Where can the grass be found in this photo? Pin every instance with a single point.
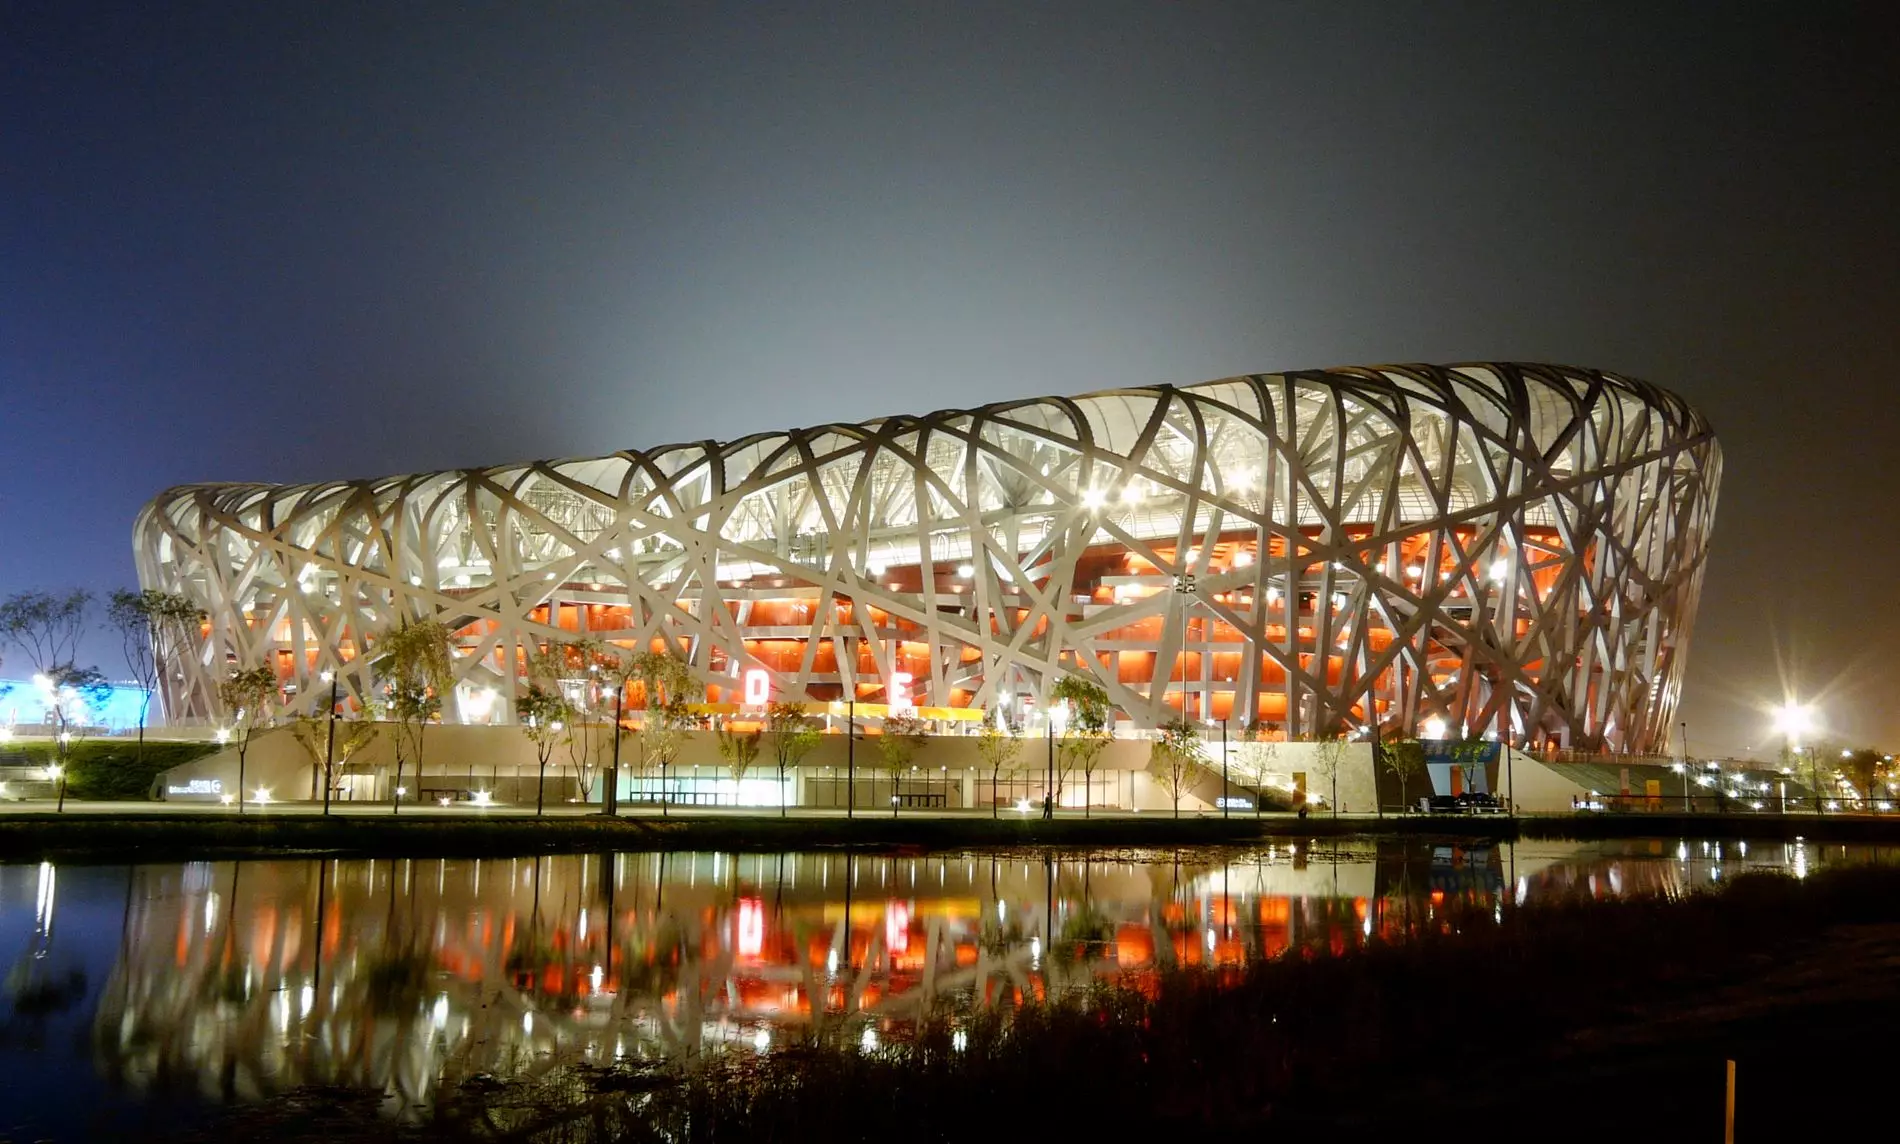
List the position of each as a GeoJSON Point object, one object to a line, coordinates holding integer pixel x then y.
{"type": "Point", "coordinates": [116, 769]}
{"type": "Point", "coordinates": [1578, 1019]}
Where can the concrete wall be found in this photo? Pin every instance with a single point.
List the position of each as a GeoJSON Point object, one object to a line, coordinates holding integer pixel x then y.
{"type": "Point", "coordinates": [492, 757]}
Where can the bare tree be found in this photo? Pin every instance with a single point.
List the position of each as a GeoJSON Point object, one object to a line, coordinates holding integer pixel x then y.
{"type": "Point", "coordinates": [328, 750]}
{"type": "Point", "coordinates": [740, 749]}
{"type": "Point", "coordinates": [1327, 754]}
{"type": "Point", "coordinates": [246, 695]}
{"type": "Point", "coordinates": [1000, 743]}
{"type": "Point", "coordinates": [1173, 757]}
{"type": "Point", "coordinates": [903, 736]}
{"type": "Point", "coordinates": [542, 714]}
{"type": "Point", "coordinates": [155, 628]}
{"type": "Point", "coordinates": [576, 667]}
{"type": "Point", "coordinates": [73, 692]}
{"type": "Point", "coordinates": [1405, 759]}
{"type": "Point", "coordinates": [46, 627]}
{"type": "Point", "coordinates": [1259, 754]}
{"type": "Point", "coordinates": [794, 735]}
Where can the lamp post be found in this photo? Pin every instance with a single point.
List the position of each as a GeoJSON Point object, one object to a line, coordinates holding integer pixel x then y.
{"type": "Point", "coordinates": [1224, 799]}
{"type": "Point", "coordinates": [610, 798]}
{"type": "Point", "coordinates": [329, 741]}
{"type": "Point", "coordinates": [1058, 718]}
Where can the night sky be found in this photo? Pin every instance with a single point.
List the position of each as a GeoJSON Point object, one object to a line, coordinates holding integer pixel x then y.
{"type": "Point", "coordinates": [289, 242]}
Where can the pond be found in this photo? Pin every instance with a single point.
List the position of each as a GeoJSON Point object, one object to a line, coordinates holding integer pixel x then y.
{"type": "Point", "coordinates": [149, 994]}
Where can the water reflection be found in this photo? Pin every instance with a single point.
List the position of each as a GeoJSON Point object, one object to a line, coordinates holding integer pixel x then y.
{"type": "Point", "coordinates": [236, 980]}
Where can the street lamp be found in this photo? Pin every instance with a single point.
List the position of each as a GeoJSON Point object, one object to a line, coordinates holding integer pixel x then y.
{"type": "Point", "coordinates": [1792, 722]}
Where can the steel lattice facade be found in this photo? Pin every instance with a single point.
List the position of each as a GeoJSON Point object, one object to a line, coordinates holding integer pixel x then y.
{"type": "Point", "coordinates": [1514, 549]}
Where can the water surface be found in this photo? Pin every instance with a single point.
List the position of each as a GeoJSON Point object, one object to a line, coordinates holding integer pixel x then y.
{"type": "Point", "coordinates": [163, 990]}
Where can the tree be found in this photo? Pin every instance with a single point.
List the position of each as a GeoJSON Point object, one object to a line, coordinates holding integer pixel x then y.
{"type": "Point", "coordinates": [740, 749]}
{"type": "Point", "coordinates": [667, 680]}
{"type": "Point", "coordinates": [903, 737]}
{"type": "Point", "coordinates": [1405, 759]}
{"type": "Point", "coordinates": [1327, 755]}
{"type": "Point", "coordinates": [1000, 744]}
{"type": "Point", "coordinates": [72, 692]}
{"type": "Point", "coordinates": [1173, 756]}
{"type": "Point", "coordinates": [1087, 733]}
{"type": "Point", "coordinates": [328, 749]}
{"type": "Point", "coordinates": [794, 735]}
{"type": "Point", "coordinates": [541, 713]}
{"type": "Point", "coordinates": [575, 668]}
{"type": "Point", "coordinates": [1863, 769]}
{"type": "Point", "coordinates": [415, 660]}
{"type": "Point", "coordinates": [1259, 757]}
{"type": "Point", "coordinates": [155, 628]}
{"type": "Point", "coordinates": [246, 696]}
{"type": "Point", "coordinates": [45, 626]}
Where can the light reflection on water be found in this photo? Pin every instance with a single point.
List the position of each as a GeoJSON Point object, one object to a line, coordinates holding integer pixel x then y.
{"type": "Point", "coordinates": [230, 981]}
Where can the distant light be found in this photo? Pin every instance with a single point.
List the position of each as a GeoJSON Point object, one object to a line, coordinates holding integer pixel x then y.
{"type": "Point", "coordinates": [1499, 571]}
{"type": "Point", "coordinates": [874, 568]}
{"type": "Point", "coordinates": [261, 797]}
{"type": "Point", "coordinates": [1414, 571]}
{"type": "Point", "coordinates": [484, 798]}
{"type": "Point", "coordinates": [1131, 493]}
{"type": "Point", "coordinates": [1793, 720]}
{"type": "Point", "coordinates": [443, 801]}
{"type": "Point", "coordinates": [966, 571]}
{"type": "Point", "coordinates": [1434, 728]}
{"type": "Point", "coordinates": [1243, 559]}
{"type": "Point", "coordinates": [1092, 498]}
{"type": "Point", "coordinates": [461, 579]}
{"type": "Point", "coordinates": [225, 799]}
{"type": "Point", "coordinates": [762, 1040]}
{"type": "Point", "coordinates": [401, 790]}
{"type": "Point", "coordinates": [224, 734]}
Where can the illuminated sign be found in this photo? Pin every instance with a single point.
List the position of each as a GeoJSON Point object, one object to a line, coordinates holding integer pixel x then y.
{"type": "Point", "coordinates": [1235, 803]}
{"type": "Point", "coordinates": [900, 692]}
{"type": "Point", "coordinates": [758, 687]}
{"type": "Point", "coordinates": [198, 786]}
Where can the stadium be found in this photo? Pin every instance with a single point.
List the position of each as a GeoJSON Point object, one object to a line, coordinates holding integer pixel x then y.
{"type": "Point", "coordinates": [1510, 551]}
